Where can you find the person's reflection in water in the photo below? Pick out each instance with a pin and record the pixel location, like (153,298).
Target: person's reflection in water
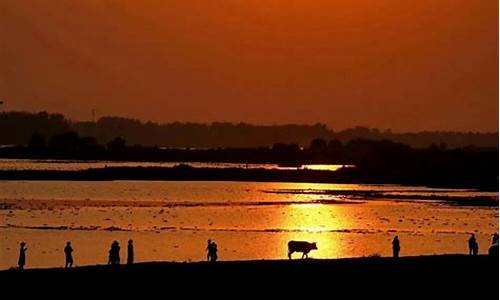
(395,247)
(68,251)
(22,256)
(130,252)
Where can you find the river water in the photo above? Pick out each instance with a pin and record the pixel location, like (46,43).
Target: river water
(172,221)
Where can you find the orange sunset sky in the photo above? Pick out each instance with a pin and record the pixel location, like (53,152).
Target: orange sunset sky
(406,65)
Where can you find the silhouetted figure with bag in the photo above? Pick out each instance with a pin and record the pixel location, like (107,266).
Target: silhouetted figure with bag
(473,246)
(130,252)
(395,247)
(68,251)
(114,254)
(22,256)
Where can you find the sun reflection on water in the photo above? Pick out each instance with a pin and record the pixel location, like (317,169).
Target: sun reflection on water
(308,222)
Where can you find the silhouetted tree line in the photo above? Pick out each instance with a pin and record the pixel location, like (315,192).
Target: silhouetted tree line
(70,145)
(16,128)
(377,161)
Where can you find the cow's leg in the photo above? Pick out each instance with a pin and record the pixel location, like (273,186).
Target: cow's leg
(290,254)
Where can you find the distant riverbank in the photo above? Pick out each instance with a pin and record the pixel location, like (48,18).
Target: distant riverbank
(188,173)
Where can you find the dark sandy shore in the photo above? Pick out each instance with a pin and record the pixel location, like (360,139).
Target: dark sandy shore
(449,276)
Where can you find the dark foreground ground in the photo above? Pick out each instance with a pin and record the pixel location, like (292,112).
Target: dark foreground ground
(425,277)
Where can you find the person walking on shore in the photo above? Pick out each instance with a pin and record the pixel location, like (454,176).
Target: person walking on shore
(211,251)
(110,255)
(473,246)
(475,250)
(22,256)
(114,254)
(214,252)
(395,247)
(130,252)
(68,251)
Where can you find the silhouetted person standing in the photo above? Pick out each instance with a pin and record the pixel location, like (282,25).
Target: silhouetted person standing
(493,250)
(211,251)
(214,252)
(114,254)
(395,247)
(111,255)
(475,250)
(68,251)
(22,256)
(130,252)
(473,247)
(117,253)
(494,239)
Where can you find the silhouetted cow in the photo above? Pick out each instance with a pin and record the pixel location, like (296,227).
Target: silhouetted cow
(300,246)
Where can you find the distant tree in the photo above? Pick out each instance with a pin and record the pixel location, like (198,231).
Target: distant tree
(66,144)
(88,146)
(116,145)
(334,145)
(282,147)
(318,145)
(336,150)
(37,143)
